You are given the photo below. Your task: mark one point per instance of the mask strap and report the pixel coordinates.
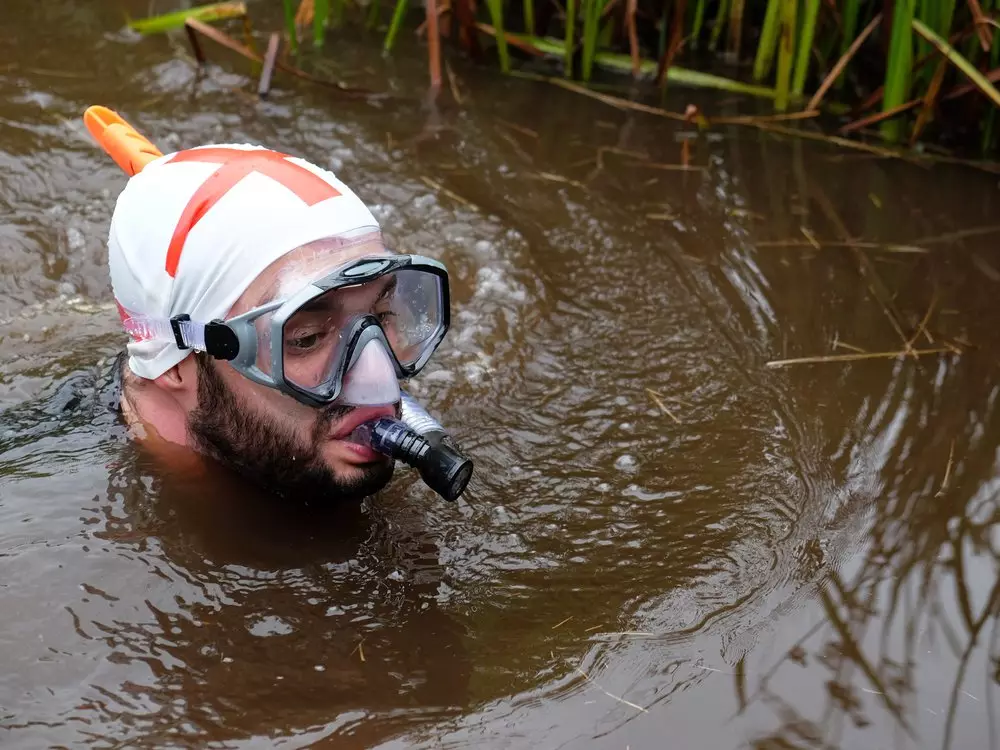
(214, 338)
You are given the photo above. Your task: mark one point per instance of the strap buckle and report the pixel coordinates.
(175, 326)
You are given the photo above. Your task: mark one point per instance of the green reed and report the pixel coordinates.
(892, 77)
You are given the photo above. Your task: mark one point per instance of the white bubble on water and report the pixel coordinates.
(603, 487)
(627, 426)
(484, 247)
(75, 239)
(621, 401)
(626, 462)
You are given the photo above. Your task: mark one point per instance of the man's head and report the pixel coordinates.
(304, 350)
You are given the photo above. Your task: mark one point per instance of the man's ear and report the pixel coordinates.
(181, 382)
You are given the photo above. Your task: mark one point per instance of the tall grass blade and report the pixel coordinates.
(529, 17)
(570, 36)
(591, 27)
(496, 13)
(699, 20)
(176, 20)
(768, 41)
(720, 21)
(808, 32)
(786, 49)
(321, 12)
(898, 66)
(397, 21)
(958, 61)
(293, 34)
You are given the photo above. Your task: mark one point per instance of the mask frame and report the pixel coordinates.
(236, 339)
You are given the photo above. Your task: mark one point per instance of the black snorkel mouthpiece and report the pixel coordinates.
(443, 469)
(421, 443)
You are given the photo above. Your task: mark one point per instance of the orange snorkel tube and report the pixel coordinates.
(123, 143)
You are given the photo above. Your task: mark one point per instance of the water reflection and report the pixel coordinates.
(664, 536)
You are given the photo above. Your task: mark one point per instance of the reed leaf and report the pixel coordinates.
(806, 36)
(176, 20)
(620, 63)
(898, 66)
(397, 21)
(496, 14)
(958, 61)
(786, 49)
(529, 17)
(768, 41)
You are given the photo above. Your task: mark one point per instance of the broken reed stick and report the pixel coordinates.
(229, 43)
(618, 698)
(270, 57)
(842, 63)
(856, 357)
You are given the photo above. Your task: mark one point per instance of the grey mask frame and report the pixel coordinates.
(241, 341)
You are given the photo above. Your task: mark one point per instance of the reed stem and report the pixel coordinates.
(806, 36)
(768, 41)
(786, 50)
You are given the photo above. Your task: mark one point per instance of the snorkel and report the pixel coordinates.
(415, 439)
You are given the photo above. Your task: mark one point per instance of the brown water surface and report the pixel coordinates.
(667, 543)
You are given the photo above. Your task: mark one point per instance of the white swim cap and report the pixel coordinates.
(193, 229)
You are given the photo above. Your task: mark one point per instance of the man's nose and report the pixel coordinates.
(371, 381)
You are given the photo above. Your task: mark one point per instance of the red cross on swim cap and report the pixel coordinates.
(193, 229)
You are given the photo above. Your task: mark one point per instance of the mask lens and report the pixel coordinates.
(415, 314)
(407, 303)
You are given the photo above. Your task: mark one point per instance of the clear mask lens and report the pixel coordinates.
(408, 306)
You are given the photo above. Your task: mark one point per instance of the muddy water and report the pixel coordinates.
(667, 542)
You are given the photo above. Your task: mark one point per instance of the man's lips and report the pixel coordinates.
(359, 416)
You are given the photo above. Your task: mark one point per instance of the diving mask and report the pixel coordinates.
(348, 336)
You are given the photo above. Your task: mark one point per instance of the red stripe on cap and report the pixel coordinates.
(234, 165)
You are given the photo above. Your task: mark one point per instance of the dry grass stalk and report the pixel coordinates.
(454, 196)
(663, 407)
(588, 678)
(834, 74)
(562, 622)
(856, 357)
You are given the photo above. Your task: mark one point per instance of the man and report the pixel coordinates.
(266, 318)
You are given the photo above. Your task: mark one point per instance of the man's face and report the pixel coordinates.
(289, 448)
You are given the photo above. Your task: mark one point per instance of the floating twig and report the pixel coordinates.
(589, 679)
(562, 622)
(856, 357)
(454, 196)
(947, 471)
(656, 397)
(892, 248)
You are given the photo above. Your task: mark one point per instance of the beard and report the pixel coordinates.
(269, 454)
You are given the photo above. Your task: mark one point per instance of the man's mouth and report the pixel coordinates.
(359, 416)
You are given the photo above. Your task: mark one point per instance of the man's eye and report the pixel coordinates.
(384, 316)
(303, 342)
